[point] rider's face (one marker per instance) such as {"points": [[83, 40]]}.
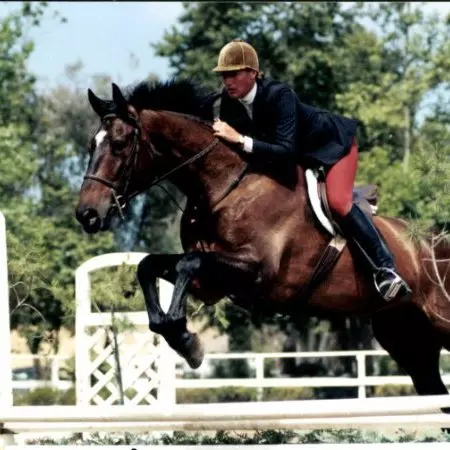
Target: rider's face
{"points": [[238, 83]]}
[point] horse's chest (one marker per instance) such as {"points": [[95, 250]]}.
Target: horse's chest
{"points": [[197, 230], [208, 232]]}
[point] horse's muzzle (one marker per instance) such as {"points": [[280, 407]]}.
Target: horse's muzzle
{"points": [[91, 221]]}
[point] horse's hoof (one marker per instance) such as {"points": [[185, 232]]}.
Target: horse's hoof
{"points": [[193, 351]]}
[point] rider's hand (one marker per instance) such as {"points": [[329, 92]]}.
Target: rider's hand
{"points": [[223, 130]]}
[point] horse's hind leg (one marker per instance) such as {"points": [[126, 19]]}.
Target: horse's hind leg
{"points": [[406, 333]]}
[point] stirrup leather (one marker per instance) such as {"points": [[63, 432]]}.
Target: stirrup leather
{"points": [[394, 284]]}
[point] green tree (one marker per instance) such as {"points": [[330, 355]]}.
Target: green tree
{"points": [[397, 69], [405, 68], [296, 42], [18, 125], [36, 189]]}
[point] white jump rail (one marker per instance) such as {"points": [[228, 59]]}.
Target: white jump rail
{"points": [[297, 409], [420, 421], [394, 412]]}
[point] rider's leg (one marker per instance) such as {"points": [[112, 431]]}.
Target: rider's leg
{"points": [[356, 225]]}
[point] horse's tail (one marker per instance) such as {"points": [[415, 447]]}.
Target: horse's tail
{"points": [[439, 259]]}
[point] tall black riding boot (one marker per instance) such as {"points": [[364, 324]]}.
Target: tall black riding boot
{"points": [[358, 227]]}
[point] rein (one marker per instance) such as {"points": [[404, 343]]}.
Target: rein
{"points": [[128, 168], [186, 163]]}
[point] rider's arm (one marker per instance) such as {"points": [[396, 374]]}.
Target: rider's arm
{"points": [[285, 118]]}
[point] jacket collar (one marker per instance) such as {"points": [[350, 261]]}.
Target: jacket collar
{"points": [[250, 97], [259, 95]]}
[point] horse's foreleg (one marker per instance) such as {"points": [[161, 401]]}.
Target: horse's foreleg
{"points": [[209, 269], [148, 270]]}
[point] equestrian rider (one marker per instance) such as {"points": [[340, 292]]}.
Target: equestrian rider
{"points": [[266, 119]]}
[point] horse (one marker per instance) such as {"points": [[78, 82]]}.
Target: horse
{"points": [[248, 236]]}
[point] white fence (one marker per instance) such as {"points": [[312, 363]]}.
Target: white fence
{"points": [[260, 380]]}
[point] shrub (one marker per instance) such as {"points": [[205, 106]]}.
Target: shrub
{"points": [[241, 394], [226, 394], [280, 393], [392, 390], [45, 396]]}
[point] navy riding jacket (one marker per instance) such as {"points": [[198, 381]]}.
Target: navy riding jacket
{"points": [[285, 129]]}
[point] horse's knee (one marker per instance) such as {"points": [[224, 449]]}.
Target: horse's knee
{"points": [[143, 269], [189, 263], [158, 324], [146, 270]]}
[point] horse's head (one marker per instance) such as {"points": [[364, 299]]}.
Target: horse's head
{"points": [[114, 155], [140, 143]]}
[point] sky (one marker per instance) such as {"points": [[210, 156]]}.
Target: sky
{"points": [[104, 35]]}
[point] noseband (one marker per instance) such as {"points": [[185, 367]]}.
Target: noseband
{"points": [[128, 168]]}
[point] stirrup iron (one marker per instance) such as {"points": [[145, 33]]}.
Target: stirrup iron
{"points": [[396, 284]]}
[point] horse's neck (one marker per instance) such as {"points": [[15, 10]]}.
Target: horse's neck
{"points": [[210, 175]]}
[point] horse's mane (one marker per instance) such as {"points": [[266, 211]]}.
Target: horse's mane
{"points": [[182, 96]]}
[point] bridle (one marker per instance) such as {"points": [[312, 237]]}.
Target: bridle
{"points": [[121, 195], [126, 170]]}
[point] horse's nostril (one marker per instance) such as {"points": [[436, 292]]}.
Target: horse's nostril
{"points": [[92, 220], [88, 215]]}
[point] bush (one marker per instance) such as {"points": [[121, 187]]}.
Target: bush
{"points": [[392, 390], [231, 368], [242, 394], [227, 439], [279, 393], [45, 396], [226, 394]]}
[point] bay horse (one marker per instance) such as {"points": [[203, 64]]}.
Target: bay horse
{"points": [[247, 236]]}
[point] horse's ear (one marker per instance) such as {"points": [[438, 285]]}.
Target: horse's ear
{"points": [[119, 100], [98, 105]]}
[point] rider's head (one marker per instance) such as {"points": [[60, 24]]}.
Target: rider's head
{"points": [[239, 67]]}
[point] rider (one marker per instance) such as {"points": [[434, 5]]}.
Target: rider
{"points": [[265, 118]]}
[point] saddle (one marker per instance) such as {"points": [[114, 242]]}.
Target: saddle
{"points": [[366, 197]]}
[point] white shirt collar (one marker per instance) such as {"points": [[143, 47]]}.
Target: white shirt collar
{"points": [[248, 99]]}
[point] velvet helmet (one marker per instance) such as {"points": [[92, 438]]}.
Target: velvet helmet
{"points": [[237, 55]]}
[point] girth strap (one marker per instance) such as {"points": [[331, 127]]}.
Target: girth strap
{"points": [[323, 267]]}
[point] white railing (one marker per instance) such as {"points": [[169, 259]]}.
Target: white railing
{"points": [[416, 412], [53, 362], [257, 363], [260, 381]]}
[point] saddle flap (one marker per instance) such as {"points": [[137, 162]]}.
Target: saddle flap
{"points": [[365, 196]]}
